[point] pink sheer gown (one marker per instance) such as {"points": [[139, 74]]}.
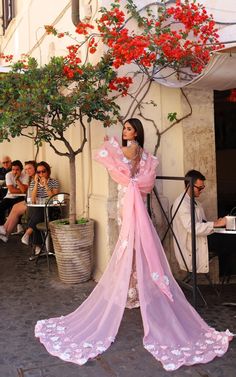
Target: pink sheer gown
{"points": [[137, 274]]}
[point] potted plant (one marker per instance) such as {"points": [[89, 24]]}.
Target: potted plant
{"points": [[42, 103]]}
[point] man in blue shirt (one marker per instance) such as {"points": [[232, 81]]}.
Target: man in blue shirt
{"points": [[4, 169]]}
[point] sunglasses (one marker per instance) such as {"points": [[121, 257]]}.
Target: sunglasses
{"points": [[5, 162], [200, 188], [41, 171]]}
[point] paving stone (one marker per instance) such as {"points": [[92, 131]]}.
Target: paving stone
{"points": [[30, 292], [8, 371]]}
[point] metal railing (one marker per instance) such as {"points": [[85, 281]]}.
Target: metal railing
{"points": [[193, 275]]}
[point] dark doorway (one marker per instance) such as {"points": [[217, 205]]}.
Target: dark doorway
{"points": [[225, 138]]}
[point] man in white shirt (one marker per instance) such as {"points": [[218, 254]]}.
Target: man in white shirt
{"points": [[17, 185], [182, 226]]}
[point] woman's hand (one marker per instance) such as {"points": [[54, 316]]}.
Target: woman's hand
{"points": [[43, 181], [36, 178]]}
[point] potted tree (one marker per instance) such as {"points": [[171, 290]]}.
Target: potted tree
{"points": [[42, 103]]}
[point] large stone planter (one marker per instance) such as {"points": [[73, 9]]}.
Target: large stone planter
{"points": [[73, 246]]}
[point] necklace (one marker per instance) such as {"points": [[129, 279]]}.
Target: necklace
{"points": [[131, 142], [134, 142], [137, 155]]}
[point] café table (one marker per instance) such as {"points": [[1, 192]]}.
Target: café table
{"points": [[46, 204], [224, 231], [42, 203]]}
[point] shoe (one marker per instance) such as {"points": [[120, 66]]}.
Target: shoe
{"points": [[3, 238], [25, 239], [19, 228], [32, 257], [36, 253], [2, 230], [37, 250]]}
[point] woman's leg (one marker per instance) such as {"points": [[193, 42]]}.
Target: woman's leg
{"points": [[36, 215], [16, 212]]}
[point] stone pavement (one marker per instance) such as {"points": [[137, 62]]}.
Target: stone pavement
{"points": [[30, 292]]}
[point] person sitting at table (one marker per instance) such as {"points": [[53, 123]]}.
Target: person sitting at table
{"points": [[4, 169], [182, 226], [17, 185], [20, 208], [43, 186]]}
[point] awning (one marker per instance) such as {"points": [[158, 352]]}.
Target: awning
{"points": [[219, 74], [4, 69]]}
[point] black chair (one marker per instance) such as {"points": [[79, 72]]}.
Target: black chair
{"points": [[3, 192], [56, 208]]}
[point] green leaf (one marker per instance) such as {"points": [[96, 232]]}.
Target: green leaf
{"points": [[172, 117]]}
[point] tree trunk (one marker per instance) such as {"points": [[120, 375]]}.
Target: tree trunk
{"points": [[72, 214]]}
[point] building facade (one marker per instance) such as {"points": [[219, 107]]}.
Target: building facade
{"points": [[190, 144]]}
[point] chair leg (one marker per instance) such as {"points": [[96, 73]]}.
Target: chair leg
{"points": [[44, 249], [211, 284], [186, 284]]}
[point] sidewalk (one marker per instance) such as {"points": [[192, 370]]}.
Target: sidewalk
{"points": [[29, 292]]}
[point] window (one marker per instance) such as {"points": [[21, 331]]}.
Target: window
{"points": [[8, 12]]}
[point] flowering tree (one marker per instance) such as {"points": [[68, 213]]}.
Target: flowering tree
{"points": [[43, 102], [174, 37], [167, 40]]}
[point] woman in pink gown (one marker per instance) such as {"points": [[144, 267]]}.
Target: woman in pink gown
{"points": [[138, 274]]}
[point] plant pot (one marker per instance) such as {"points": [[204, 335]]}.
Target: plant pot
{"points": [[73, 246]]}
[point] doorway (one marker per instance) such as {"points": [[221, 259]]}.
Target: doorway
{"points": [[225, 140]]}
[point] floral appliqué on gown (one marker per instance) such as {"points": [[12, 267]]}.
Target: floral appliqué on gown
{"points": [[138, 274]]}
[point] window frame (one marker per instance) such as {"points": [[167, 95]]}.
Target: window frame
{"points": [[7, 13]]}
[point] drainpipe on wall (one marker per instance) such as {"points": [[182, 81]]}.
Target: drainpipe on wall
{"points": [[75, 16]]}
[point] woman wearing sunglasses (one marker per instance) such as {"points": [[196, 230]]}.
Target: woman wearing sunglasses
{"points": [[43, 186]]}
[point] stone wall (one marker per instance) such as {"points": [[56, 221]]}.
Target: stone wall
{"points": [[199, 145]]}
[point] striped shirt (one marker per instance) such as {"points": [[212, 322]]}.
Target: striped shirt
{"points": [[41, 191]]}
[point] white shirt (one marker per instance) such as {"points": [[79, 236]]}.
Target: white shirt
{"points": [[11, 181], [182, 230]]}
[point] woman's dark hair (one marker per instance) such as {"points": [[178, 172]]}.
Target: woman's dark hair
{"points": [[31, 162], [45, 165], [137, 125]]}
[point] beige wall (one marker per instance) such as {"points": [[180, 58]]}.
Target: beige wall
{"points": [[17, 149], [199, 145]]}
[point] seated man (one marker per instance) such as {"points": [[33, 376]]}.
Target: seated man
{"points": [[17, 185], [4, 169], [182, 226]]}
